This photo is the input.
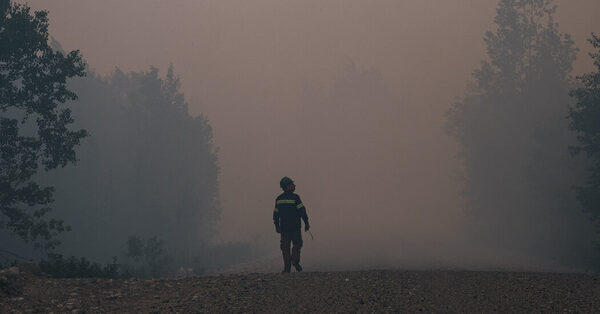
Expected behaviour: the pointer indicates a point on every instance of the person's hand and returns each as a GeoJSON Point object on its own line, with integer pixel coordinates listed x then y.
{"type": "Point", "coordinates": [277, 229]}
{"type": "Point", "coordinates": [306, 227]}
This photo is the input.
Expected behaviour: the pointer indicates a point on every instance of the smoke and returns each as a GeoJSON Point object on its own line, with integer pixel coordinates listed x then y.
{"type": "Point", "coordinates": [346, 97]}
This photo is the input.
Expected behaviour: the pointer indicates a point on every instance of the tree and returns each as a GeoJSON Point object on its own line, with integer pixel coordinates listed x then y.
{"type": "Point", "coordinates": [513, 136]}
{"type": "Point", "coordinates": [148, 168]}
{"type": "Point", "coordinates": [34, 127]}
{"type": "Point", "coordinates": [584, 119]}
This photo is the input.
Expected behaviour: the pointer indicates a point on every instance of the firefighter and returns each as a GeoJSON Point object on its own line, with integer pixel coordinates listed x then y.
{"type": "Point", "coordinates": [286, 216]}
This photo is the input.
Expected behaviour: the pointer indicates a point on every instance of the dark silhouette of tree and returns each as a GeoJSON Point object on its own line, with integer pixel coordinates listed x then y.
{"type": "Point", "coordinates": [585, 120]}
{"type": "Point", "coordinates": [35, 131]}
{"type": "Point", "coordinates": [148, 168]}
{"type": "Point", "coordinates": [513, 135]}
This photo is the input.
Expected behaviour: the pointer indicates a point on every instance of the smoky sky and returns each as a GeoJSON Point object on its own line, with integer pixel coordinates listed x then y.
{"type": "Point", "coordinates": [346, 97]}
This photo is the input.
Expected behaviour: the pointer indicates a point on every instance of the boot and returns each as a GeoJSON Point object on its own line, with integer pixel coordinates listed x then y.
{"type": "Point", "coordinates": [297, 266]}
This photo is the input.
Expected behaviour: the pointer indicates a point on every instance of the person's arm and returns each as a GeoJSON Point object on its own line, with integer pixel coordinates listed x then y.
{"type": "Point", "coordinates": [302, 213]}
{"type": "Point", "coordinates": [276, 218]}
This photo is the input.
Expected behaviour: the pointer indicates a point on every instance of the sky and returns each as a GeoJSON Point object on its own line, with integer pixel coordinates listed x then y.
{"type": "Point", "coordinates": [258, 70]}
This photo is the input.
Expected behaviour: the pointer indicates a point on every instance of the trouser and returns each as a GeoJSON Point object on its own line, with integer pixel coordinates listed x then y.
{"type": "Point", "coordinates": [295, 237]}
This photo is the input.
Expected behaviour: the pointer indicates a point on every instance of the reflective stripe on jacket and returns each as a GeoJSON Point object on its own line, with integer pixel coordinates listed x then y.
{"type": "Point", "coordinates": [288, 212]}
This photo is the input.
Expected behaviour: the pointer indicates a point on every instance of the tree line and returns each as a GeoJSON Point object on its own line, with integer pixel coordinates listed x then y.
{"type": "Point", "coordinates": [91, 162]}
{"type": "Point", "coordinates": [518, 129]}
{"type": "Point", "coordinates": [116, 165]}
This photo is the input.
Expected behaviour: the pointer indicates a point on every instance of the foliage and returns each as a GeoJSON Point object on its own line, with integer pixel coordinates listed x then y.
{"type": "Point", "coordinates": [149, 257]}
{"type": "Point", "coordinates": [33, 86]}
{"type": "Point", "coordinates": [8, 263]}
{"type": "Point", "coordinates": [513, 138]}
{"type": "Point", "coordinates": [73, 267]}
{"type": "Point", "coordinates": [584, 119]}
{"type": "Point", "coordinates": [148, 168]}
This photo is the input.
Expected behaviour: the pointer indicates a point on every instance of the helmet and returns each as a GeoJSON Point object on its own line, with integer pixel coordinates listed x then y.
{"type": "Point", "coordinates": [285, 181]}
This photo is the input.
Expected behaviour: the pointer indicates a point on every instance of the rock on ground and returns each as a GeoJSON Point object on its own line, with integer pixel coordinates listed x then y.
{"type": "Point", "coordinates": [359, 291]}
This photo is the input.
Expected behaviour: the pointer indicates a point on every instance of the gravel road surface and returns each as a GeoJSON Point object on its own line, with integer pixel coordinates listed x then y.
{"type": "Point", "coordinates": [359, 291]}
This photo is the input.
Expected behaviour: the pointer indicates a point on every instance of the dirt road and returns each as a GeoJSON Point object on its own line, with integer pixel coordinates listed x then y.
{"type": "Point", "coordinates": [360, 291]}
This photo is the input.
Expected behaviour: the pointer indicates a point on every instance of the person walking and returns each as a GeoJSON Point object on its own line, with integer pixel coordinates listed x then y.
{"type": "Point", "coordinates": [286, 216]}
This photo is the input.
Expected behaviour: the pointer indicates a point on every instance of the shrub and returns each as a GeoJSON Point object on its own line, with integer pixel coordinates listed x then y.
{"type": "Point", "coordinates": [78, 267]}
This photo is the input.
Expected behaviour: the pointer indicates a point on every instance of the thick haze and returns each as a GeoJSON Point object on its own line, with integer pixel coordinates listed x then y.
{"type": "Point", "coordinates": [346, 97]}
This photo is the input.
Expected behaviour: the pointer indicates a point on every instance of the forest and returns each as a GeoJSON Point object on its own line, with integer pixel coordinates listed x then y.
{"type": "Point", "coordinates": [112, 175]}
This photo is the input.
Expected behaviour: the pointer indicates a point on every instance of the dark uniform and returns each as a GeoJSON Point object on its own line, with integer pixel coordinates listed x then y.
{"type": "Point", "coordinates": [286, 216]}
